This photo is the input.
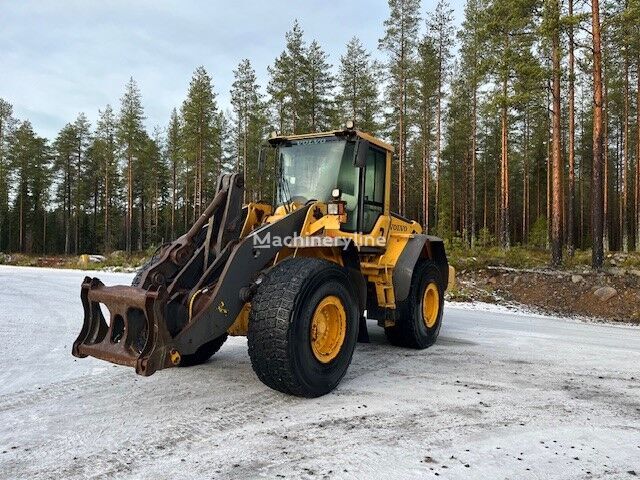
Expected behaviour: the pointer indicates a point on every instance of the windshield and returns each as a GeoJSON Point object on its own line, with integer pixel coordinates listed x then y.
{"type": "Point", "coordinates": [312, 168]}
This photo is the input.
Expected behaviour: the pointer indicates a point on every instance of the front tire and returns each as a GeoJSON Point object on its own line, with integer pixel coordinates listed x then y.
{"type": "Point", "coordinates": [419, 317]}
{"type": "Point", "coordinates": [303, 327]}
{"type": "Point", "coordinates": [203, 353]}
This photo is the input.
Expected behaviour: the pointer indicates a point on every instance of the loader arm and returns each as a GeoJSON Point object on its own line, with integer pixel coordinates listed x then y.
{"type": "Point", "coordinates": [189, 294]}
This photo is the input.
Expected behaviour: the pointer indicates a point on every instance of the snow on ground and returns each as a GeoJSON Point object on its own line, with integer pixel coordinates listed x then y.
{"type": "Point", "coordinates": [501, 395]}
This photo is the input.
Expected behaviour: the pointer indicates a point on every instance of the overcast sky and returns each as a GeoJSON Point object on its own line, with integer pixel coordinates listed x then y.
{"type": "Point", "coordinates": [59, 58]}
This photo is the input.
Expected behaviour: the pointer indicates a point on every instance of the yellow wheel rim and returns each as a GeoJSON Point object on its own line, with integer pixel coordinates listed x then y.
{"type": "Point", "coordinates": [328, 329]}
{"type": "Point", "coordinates": [430, 305]}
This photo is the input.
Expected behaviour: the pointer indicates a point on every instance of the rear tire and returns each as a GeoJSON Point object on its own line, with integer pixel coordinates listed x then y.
{"type": "Point", "coordinates": [303, 327]}
{"type": "Point", "coordinates": [419, 317]}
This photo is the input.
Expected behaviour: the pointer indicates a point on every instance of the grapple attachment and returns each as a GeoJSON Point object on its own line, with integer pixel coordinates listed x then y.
{"type": "Point", "coordinates": [136, 334]}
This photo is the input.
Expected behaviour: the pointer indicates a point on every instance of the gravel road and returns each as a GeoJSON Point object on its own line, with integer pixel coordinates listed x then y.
{"type": "Point", "coordinates": [501, 395]}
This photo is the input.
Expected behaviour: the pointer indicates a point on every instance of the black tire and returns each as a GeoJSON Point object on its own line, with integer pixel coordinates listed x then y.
{"type": "Point", "coordinates": [279, 336]}
{"type": "Point", "coordinates": [141, 271]}
{"type": "Point", "coordinates": [410, 329]}
{"type": "Point", "coordinates": [203, 354]}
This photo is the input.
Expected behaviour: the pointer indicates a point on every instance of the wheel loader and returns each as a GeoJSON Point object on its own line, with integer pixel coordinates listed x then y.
{"type": "Point", "coordinates": [299, 278]}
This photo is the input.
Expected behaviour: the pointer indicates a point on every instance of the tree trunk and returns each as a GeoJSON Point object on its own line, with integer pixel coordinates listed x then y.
{"type": "Point", "coordinates": [129, 216]}
{"type": "Point", "coordinates": [438, 137]}
{"type": "Point", "coordinates": [556, 219]}
{"type": "Point", "coordinates": [605, 154]}
{"type": "Point", "coordinates": [21, 220]}
{"type": "Point", "coordinates": [4, 185]}
{"type": "Point", "coordinates": [44, 230]}
{"type": "Point", "coordinates": [549, 155]}
{"type": "Point", "coordinates": [637, 192]}
{"type": "Point", "coordinates": [94, 233]}
{"type": "Point", "coordinates": [174, 194]}
{"type": "Point", "coordinates": [107, 233]}
{"type": "Point", "coordinates": [572, 142]}
{"type": "Point", "coordinates": [597, 201]}
{"type": "Point", "coordinates": [141, 218]}
{"type": "Point", "coordinates": [525, 179]}
{"type": "Point", "coordinates": [625, 157]}
{"type": "Point", "coordinates": [504, 172]}
{"type": "Point", "coordinates": [401, 139]}
{"type": "Point", "coordinates": [426, 171]}
{"type": "Point", "coordinates": [67, 209]}
{"type": "Point", "coordinates": [76, 224]}
{"type": "Point", "coordinates": [474, 153]}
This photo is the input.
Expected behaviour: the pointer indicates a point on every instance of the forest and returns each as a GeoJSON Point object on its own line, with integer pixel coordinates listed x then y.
{"type": "Point", "coordinates": [520, 127]}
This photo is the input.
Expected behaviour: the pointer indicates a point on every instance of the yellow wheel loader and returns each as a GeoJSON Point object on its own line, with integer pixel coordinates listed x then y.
{"type": "Point", "coordinates": [298, 278]}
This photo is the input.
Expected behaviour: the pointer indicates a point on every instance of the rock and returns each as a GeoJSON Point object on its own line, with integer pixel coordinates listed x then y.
{"type": "Point", "coordinates": [635, 272]}
{"type": "Point", "coordinates": [605, 293]}
{"type": "Point", "coordinates": [492, 280]}
{"type": "Point", "coordinates": [87, 259]}
{"type": "Point", "coordinates": [577, 278]}
{"type": "Point", "coordinates": [618, 272]}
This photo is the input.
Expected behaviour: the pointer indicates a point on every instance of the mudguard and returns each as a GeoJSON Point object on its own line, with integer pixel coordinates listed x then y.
{"type": "Point", "coordinates": [351, 261]}
{"type": "Point", "coordinates": [418, 246]}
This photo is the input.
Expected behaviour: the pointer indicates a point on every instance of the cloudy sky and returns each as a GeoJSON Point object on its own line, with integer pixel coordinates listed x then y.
{"type": "Point", "coordinates": [59, 58]}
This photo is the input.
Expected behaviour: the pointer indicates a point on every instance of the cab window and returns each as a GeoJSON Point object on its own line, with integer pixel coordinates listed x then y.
{"type": "Point", "coordinates": [373, 201]}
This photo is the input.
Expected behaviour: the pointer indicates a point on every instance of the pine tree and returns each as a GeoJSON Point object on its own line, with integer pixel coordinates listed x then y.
{"type": "Point", "coordinates": [152, 190]}
{"type": "Point", "coordinates": [572, 133]}
{"type": "Point", "coordinates": [104, 152]}
{"type": "Point", "coordinates": [422, 101]}
{"type": "Point", "coordinates": [597, 186]}
{"type": "Point", "coordinates": [131, 138]}
{"type": "Point", "coordinates": [286, 84]}
{"type": "Point", "coordinates": [633, 19]}
{"type": "Point", "coordinates": [249, 124]}
{"type": "Point", "coordinates": [399, 42]}
{"type": "Point", "coordinates": [65, 166]}
{"type": "Point", "coordinates": [317, 88]}
{"type": "Point", "coordinates": [509, 25]}
{"type": "Point", "coordinates": [474, 69]}
{"type": "Point", "coordinates": [7, 125]}
{"type": "Point", "coordinates": [552, 29]}
{"type": "Point", "coordinates": [82, 188]}
{"type": "Point", "coordinates": [29, 158]}
{"type": "Point", "coordinates": [358, 81]}
{"type": "Point", "coordinates": [440, 26]}
{"type": "Point", "coordinates": [199, 135]}
{"type": "Point", "coordinates": [176, 165]}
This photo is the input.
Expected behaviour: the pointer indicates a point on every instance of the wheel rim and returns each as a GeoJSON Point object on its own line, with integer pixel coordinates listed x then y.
{"type": "Point", "coordinates": [328, 329]}
{"type": "Point", "coordinates": [430, 305]}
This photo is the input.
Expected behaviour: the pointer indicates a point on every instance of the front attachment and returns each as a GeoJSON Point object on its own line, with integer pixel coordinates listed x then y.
{"type": "Point", "coordinates": [135, 333]}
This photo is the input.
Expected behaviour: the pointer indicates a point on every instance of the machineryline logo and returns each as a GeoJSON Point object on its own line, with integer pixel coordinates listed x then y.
{"type": "Point", "coordinates": [297, 241]}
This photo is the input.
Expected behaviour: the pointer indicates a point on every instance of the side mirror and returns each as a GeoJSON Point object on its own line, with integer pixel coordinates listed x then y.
{"type": "Point", "coordinates": [262, 158]}
{"type": "Point", "coordinates": [361, 150]}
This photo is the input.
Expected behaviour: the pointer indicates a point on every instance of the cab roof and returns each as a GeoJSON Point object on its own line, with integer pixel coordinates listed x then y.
{"type": "Point", "coordinates": [345, 132]}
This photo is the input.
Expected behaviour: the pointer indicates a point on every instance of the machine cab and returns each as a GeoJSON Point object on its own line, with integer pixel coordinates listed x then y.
{"type": "Point", "coordinates": [348, 163]}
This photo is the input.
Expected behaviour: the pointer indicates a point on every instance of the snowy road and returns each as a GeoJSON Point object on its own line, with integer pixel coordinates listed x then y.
{"type": "Point", "coordinates": [499, 396]}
